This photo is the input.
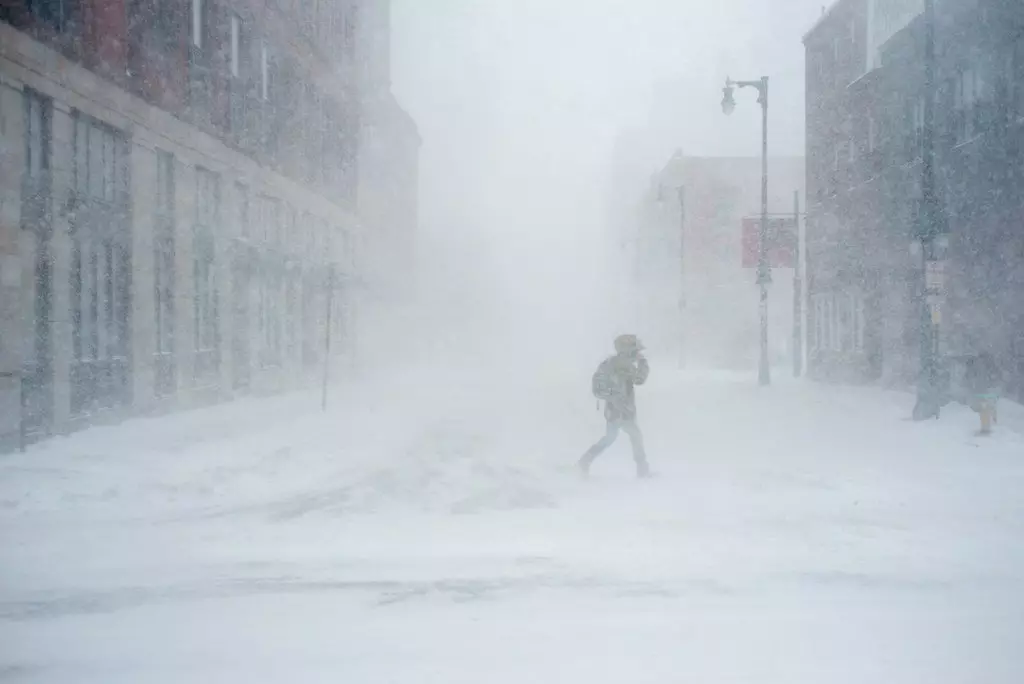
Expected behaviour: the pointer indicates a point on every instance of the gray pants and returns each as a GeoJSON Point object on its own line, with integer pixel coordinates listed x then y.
{"type": "Point", "coordinates": [636, 438]}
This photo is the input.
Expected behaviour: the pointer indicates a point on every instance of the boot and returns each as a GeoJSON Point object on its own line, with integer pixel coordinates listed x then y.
{"type": "Point", "coordinates": [986, 420]}
{"type": "Point", "coordinates": [643, 471]}
{"type": "Point", "coordinates": [583, 465]}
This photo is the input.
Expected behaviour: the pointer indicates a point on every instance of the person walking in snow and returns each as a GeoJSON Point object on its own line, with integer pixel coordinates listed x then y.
{"type": "Point", "coordinates": [613, 383]}
{"type": "Point", "coordinates": [983, 381]}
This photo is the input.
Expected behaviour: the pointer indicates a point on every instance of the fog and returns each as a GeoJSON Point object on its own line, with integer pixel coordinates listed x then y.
{"type": "Point", "coordinates": [252, 440]}
{"type": "Point", "coordinates": [519, 104]}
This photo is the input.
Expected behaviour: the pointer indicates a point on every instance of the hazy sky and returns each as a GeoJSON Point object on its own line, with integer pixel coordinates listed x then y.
{"type": "Point", "coordinates": [518, 102]}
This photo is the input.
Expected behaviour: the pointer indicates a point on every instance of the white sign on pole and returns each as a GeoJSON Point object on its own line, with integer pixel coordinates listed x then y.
{"type": "Point", "coordinates": [934, 276]}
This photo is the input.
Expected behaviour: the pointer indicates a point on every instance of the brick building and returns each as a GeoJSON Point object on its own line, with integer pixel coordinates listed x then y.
{"type": "Point", "coordinates": [179, 189]}
{"type": "Point", "coordinates": [865, 116]}
{"type": "Point", "coordinates": [719, 321]}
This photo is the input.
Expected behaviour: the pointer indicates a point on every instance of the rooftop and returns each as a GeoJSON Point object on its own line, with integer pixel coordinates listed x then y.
{"type": "Point", "coordinates": [825, 14]}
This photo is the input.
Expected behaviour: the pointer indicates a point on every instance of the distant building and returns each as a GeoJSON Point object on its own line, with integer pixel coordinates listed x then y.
{"type": "Point", "coordinates": [865, 89]}
{"type": "Point", "coordinates": [389, 195]}
{"type": "Point", "coordinates": [180, 185]}
{"type": "Point", "coordinates": [697, 293]}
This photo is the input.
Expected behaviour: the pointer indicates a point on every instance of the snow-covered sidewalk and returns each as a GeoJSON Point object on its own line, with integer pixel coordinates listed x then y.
{"type": "Point", "coordinates": [429, 528]}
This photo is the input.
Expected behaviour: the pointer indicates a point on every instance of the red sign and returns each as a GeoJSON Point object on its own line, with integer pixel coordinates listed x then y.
{"type": "Point", "coordinates": [782, 242]}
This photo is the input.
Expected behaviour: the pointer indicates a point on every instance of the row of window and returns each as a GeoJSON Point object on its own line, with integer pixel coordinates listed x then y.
{"type": "Point", "coordinates": [260, 98]}
{"type": "Point", "coordinates": [982, 90]}
{"type": "Point", "coordinates": [830, 57]}
{"type": "Point", "coordinates": [838, 322]}
{"type": "Point", "coordinates": [323, 22]}
{"type": "Point", "coordinates": [273, 108]}
{"type": "Point", "coordinates": [101, 283]}
{"type": "Point", "coordinates": [270, 224]}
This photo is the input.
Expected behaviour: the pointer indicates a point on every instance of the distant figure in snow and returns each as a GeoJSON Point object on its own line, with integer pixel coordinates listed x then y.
{"type": "Point", "coordinates": [983, 381]}
{"type": "Point", "coordinates": [613, 383]}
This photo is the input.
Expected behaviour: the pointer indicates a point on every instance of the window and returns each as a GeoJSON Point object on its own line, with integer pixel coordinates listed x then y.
{"type": "Point", "coordinates": [816, 333]}
{"type": "Point", "coordinates": [314, 136]}
{"type": "Point", "coordinates": [826, 323]}
{"type": "Point", "coordinates": [205, 312]}
{"type": "Point", "coordinates": [264, 71]}
{"type": "Point", "coordinates": [163, 273]}
{"type": "Point", "coordinates": [100, 167]}
{"type": "Point", "coordinates": [350, 31]}
{"type": "Point", "coordinates": [1016, 77]}
{"type": "Point", "coordinates": [197, 23]}
{"type": "Point", "coordinates": [859, 323]}
{"type": "Point", "coordinates": [100, 296]}
{"type": "Point", "coordinates": [57, 14]}
{"type": "Point", "coordinates": [164, 253]}
{"type": "Point", "coordinates": [236, 40]}
{"type": "Point", "coordinates": [37, 136]}
{"type": "Point", "coordinates": [270, 318]}
{"type": "Point", "coordinates": [328, 240]}
{"type": "Point", "coordinates": [269, 221]}
{"type": "Point", "coordinates": [275, 224]}
{"type": "Point", "coordinates": [293, 312]}
{"type": "Point", "coordinates": [967, 91]}
{"type": "Point", "coordinates": [915, 138]}
{"type": "Point", "coordinates": [269, 286]}
{"type": "Point", "coordinates": [345, 247]}
{"type": "Point", "coordinates": [242, 217]}
{"type": "Point", "coordinates": [287, 227]}
{"type": "Point", "coordinates": [872, 134]}
{"type": "Point", "coordinates": [305, 229]}
{"type": "Point", "coordinates": [844, 323]}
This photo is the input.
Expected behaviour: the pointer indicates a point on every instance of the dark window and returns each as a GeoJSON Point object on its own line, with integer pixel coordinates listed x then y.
{"type": "Point", "coordinates": [269, 290]}
{"type": "Point", "coordinates": [197, 24]}
{"type": "Point", "coordinates": [100, 267]}
{"type": "Point", "coordinates": [235, 47]}
{"type": "Point", "coordinates": [35, 220]}
{"type": "Point", "coordinates": [243, 210]}
{"type": "Point", "coordinates": [351, 31]}
{"type": "Point", "coordinates": [37, 137]}
{"type": "Point", "coordinates": [163, 271]}
{"type": "Point", "coordinates": [57, 14]}
{"type": "Point", "coordinates": [1016, 77]}
{"type": "Point", "coordinates": [154, 24]}
{"type": "Point", "coordinates": [205, 313]}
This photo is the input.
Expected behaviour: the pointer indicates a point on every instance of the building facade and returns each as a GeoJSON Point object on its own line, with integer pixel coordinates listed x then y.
{"type": "Point", "coordinates": [179, 200]}
{"type": "Point", "coordinates": [865, 133]}
{"type": "Point", "coordinates": [688, 276]}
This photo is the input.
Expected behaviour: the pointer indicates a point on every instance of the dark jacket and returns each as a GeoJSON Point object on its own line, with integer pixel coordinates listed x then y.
{"type": "Point", "coordinates": [626, 371]}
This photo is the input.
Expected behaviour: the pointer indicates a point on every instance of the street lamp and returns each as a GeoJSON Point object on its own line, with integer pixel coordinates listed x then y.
{"type": "Point", "coordinates": [931, 241]}
{"type": "Point", "coordinates": [764, 274]}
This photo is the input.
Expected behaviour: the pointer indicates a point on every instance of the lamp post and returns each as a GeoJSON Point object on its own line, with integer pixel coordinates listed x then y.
{"type": "Point", "coordinates": [764, 274]}
{"type": "Point", "coordinates": [931, 240]}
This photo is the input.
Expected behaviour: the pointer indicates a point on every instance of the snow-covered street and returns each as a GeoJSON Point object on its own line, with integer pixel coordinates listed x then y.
{"type": "Point", "coordinates": [430, 528]}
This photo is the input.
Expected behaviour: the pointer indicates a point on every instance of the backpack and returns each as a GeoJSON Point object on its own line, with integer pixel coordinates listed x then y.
{"type": "Point", "coordinates": [602, 384]}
